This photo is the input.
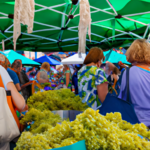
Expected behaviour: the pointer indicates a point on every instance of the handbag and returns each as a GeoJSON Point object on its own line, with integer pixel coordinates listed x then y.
{"type": "Point", "coordinates": [9, 123]}
{"type": "Point", "coordinates": [114, 104]}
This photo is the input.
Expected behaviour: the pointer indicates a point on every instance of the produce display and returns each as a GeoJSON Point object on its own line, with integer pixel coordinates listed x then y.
{"type": "Point", "coordinates": [140, 129]}
{"type": "Point", "coordinates": [40, 121]}
{"type": "Point", "coordinates": [62, 99]}
{"type": "Point", "coordinates": [108, 132]}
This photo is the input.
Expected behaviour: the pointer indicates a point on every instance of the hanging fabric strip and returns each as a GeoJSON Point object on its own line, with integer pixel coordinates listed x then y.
{"type": "Point", "coordinates": [3, 45]}
{"type": "Point", "coordinates": [23, 13]}
{"type": "Point", "coordinates": [84, 24]}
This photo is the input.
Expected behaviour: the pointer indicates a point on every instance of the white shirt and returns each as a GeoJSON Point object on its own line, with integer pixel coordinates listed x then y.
{"type": "Point", "coordinates": [5, 76]}
{"type": "Point", "coordinates": [71, 67]}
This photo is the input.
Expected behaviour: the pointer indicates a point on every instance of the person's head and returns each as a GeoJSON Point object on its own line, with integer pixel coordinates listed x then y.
{"type": "Point", "coordinates": [66, 67]}
{"type": "Point", "coordinates": [116, 71]}
{"type": "Point", "coordinates": [4, 61]}
{"type": "Point", "coordinates": [95, 56]}
{"type": "Point", "coordinates": [46, 66]}
{"type": "Point", "coordinates": [110, 66]}
{"type": "Point", "coordinates": [139, 52]}
{"type": "Point", "coordinates": [17, 65]}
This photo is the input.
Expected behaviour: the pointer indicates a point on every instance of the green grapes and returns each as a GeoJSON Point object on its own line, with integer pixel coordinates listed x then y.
{"type": "Point", "coordinates": [42, 120]}
{"type": "Point", "coordinates": [28, 141]}
{"type": "Point", "coordinates": [100, 133]}
{"type": "Point", "coordinates": [126, 126]}
{"type": "Point", "coordinates": [62, 99]}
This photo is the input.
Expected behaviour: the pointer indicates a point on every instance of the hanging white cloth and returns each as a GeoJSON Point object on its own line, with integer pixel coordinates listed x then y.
{"type": "Point", "coordinates": [85, 23]}
{"type": "Point", "coordinates": [23, 13]}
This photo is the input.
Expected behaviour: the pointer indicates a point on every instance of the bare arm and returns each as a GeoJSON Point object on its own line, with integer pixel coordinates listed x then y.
{"type": "Point", "coordinates": [67, 78]}
{"type": "Point", "coordinates": [102, 90]}
{"type": "Point", "coordinates": [18, 100]}
{"type": "Point", "coordinates": [18, 87]}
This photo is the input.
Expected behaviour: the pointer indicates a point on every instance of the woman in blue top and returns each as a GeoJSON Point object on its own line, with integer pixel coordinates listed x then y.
{"type": "Point", "coordinates": [15, 78]}
{"type": "Point", "coordinates": [138, 55]}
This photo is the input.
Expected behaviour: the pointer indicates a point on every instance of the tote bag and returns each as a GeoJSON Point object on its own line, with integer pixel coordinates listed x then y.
{"type": "Point", "coordinates": [114, 104]}
{"type": "Point", "coordinates": [9, 123]}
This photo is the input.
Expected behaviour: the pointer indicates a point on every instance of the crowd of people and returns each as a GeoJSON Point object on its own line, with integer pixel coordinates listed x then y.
{"type": "Point", "coordinates": [92, 80]}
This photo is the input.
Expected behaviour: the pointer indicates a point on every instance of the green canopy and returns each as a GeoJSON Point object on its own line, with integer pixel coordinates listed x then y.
{"type": "Point", "coordinates": [12, 56]}
{"type": "Point", "coordinates": [114, 23]}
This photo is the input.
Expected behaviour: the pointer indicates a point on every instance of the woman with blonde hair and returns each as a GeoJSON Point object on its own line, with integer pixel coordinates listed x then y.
{"type": "Point", "coordinates": [92, 82]}
{"type": "Point", "coordinates": [42, 76]}
{"type": "Point", "coordinates": [139, 79]}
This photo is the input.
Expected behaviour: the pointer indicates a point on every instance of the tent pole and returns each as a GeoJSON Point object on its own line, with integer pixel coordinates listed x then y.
{"type": "Point", "coordinates": [63, 23]}
{"type": "Point", "coordinates": [47, 25]}
{"type": "Point", "coordinates": [72, 14]}
{"type": "Point", "coordinates": [50, 8]}
{"type": "Point", "coordinates": [4, 14]}
{"type": "Point", "coordinates": [91, 33]}
{"type": "Point", "coordinates": [44, 7]}
{"type": "Point", "coordinates": [134, 20]}
{"type": "Point", "coordinates": [136, 35]}
{"type": "Point", "coordinates": [6, 37]}
{"type": "Point", "coordinates": [103, 11]}
{"type": "Point", "coordinates": [113, 31]}
{"type": "Point", "coordinates": [9, 28]}
{"type": "Point", "coordinates": [112, 7]}
{"type": "Point", "coordinates": [146, 31]}
{"type": "Point", "coordinates": [143, 13]}
{"type": "Point", "coordinates": [3, 17]}
{"type": "Point", "coordinates": [102, 20]}
{"type": "Point", "coordinates": [35, 55]}
{"type": "Point", "coordinates": [29, 55]}
{"type": "Point", "coordinates": [45, 30]}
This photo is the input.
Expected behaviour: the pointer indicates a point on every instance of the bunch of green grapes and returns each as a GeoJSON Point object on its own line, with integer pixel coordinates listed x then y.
{"type": "Point", "coordinates": [42, 120]}
{"type": "Point", "coordinates": [55, 137]}
{"type": "Point", "coordinates": [62, 99]}
{"type": "Point", "coordinates": [99, 133]}
{"type": "Point", "coordinates": [29, 141]}
{"type": "Point", "coordinates": [140, 129]}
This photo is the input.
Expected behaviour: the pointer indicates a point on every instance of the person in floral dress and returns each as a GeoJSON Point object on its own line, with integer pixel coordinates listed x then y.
{"type": "Point", "coordinates": [92, 82]}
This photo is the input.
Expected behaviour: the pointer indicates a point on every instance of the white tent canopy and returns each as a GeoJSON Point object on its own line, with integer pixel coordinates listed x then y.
{"type": "Point", "coordinates": [75, 59]}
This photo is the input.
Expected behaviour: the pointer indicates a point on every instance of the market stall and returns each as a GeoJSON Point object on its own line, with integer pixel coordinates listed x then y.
{"type": "Point", "coordinates": [12, 56]}
{"type": "Point", "coordinates": [56, 118]}
{"type": "Point", "coordinates": [75, 59]}
{"type": "Point", "coordinates": [47, 59]}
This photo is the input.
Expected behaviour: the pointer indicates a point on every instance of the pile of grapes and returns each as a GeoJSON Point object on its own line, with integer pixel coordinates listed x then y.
{"type": "Point", "coordinates": [62, 99]}
{"type": "Point", "coordinates": [108, 132]}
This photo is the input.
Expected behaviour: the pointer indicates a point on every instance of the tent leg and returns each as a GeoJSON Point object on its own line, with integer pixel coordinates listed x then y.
{"type": "Point", "coordinates": [35, 55]}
